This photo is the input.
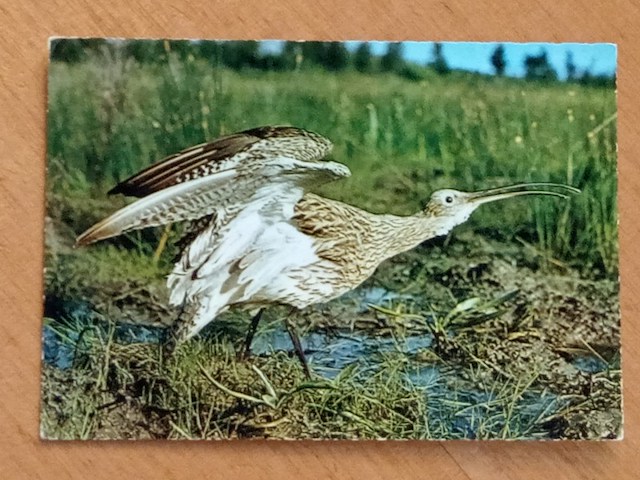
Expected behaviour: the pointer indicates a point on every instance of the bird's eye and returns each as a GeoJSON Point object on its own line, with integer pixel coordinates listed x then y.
{"type": "Point", "coordinates": [448, 199]}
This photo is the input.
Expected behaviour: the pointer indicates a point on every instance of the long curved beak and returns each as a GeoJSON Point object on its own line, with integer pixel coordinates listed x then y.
{"type": "Point", "coordinates": [500, 193]}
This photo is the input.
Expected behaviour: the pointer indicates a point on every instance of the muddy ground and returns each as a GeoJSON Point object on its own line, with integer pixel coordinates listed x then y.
{"type": "Point", "coordinates": [464, 337]}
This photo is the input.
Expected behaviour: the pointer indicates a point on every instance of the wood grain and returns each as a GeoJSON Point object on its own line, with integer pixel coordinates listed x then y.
{"type": "Point", "coordinates": [27, 24]}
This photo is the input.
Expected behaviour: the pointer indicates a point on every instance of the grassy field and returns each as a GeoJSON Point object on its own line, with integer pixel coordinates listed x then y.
{"type": "Point", "coordinates": [401, 139]}
{"type": "Point", "coordinates": [110, 117]}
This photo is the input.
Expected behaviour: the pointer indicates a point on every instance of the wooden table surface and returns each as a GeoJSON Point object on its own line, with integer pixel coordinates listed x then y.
{"type": "Point", "coordinates": [25, 27]}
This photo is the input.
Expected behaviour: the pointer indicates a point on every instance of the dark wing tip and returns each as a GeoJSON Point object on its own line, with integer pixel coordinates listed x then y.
{"type": "Point", "coordinates": [128, 189]}
{"type": "Point", "coordinates": [119, 188]}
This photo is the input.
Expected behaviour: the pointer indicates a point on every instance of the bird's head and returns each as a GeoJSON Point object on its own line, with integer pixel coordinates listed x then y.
{"type": "Point", "coordinates": [453, 207]}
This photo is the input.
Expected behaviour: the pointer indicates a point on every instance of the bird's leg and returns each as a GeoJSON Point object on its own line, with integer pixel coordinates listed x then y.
{"type": "Point", "coordinates": [168, 344]}
{"type": "Point", "coordinates": [246, 350]}
{"type": "Point", "coordinates": [174, 333]}
{"type": "Point", "coordinates": [295, 339]}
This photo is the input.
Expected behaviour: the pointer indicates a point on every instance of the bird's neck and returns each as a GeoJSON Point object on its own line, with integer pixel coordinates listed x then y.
{"type": "Point", "coordinates": [405, 233]}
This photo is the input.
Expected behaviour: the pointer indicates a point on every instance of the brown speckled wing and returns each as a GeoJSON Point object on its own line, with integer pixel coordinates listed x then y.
{"type": "Point", "coordinates": [208, 158]}
{"type": "Point", "coordinates": [222, 178]}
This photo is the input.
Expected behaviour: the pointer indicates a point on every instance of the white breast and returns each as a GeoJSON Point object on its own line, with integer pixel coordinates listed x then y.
{"type": "Point", "coordinates": [285, 269]}
{"type": "Point", "coordinates": [252, 260]}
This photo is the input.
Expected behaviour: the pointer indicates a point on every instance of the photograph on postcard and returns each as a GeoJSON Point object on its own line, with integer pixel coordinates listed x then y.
{"type": "Point", "coordinates": [331, 240]}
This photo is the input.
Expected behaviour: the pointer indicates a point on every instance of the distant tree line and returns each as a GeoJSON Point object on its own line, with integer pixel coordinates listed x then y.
{"type": "Point", "coordinates": [538, 68]}
{"type": "Point", "coordinates": [332, 56]}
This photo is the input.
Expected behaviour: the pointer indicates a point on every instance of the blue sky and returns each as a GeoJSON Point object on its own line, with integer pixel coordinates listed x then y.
{"type": "Point", "coordinates": [598, 58]}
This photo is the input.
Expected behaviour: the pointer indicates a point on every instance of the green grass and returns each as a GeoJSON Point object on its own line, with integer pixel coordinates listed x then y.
{"type": "Point", "coordinates": [402, 139]}
{"type": "Point", "coordinates": [488, 371]}
{"type": "Point", "coordinates": [120, 390]}
{"type": "Point", "coordinates": [111, 117]}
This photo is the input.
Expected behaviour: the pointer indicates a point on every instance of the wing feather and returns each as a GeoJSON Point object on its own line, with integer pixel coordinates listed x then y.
{"type": "Point", "coordinates": [222, 154]}
{"type": "Point", "coordinates": [286, 157]}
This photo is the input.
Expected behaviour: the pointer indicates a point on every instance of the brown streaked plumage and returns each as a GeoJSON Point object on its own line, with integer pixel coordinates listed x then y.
{"type": "Point", "coordinates": [208, 158]}
{"type": "Point", "coordinates": [257, 239]}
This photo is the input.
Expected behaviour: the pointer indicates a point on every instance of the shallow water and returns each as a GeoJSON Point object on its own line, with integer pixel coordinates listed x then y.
{"type": "Point", "coordinates": [55, 351]}
{"type": "Point", "coordinates": [374, 296]}
{"type": "Point", "coordinates": [330, 351]}
{"type": "Point", "coordinates": [590, 364]}
{"type": "Point", "coordinates": [58, 351]}
{"type": "Point", "coordinates": [327, 352]}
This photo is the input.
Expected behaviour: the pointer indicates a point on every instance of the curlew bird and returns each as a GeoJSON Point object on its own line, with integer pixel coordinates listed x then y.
{"type": "Point", "coordinates": [255, 238]}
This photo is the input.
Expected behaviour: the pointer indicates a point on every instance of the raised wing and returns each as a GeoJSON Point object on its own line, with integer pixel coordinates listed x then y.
{"type": "Point", "coordinates": [223, 154]}
{"type": "Point", "coordinates": [221, 178]}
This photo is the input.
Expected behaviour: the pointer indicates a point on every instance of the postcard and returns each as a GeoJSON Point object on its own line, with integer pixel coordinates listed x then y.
{"type": "Point", "coordinates": [331, 240]}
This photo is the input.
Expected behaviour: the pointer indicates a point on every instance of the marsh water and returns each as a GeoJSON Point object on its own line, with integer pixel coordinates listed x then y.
{"type": "Point", "coordinates": [331, 350]}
